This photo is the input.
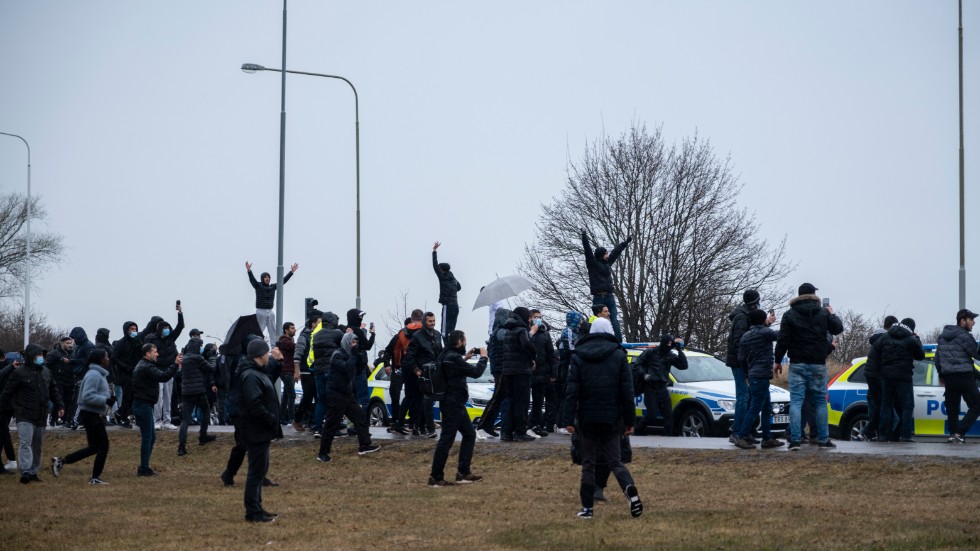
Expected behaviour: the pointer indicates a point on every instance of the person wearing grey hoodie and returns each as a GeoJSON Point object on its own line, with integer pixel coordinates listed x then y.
{"type": "Point", "coordinates": [340, 400]}
{"type": "Point", "coordinates": [93, 399]}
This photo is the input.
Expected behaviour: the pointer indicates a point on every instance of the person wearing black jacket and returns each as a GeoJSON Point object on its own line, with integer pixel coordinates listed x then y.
{"type": "Point", "coordinates": [803, 334]}
{"type": "Point", "coordinates": [340, 400]}
{"type": "Point", "coordinates": [365, 343]}
{"type": "Point", "coordinates": [739, 319]}
{"type": "Point", "coordinates": [655, 366]}
{"type": "Point", "coordinates": [6, 443]}
{"type": "Point", "coordinates": [517, 360]}
{"type": "Point", "coordinates": [425, 347]}
{"type": "Point", "coordinates": [756, 359]}
{"type": "Point", "coordinates": [164, 337]}
{"type": "Point", "coordinates": [258, 425]}
{"type": "Point", "coordinates": [323, 343]}
{"type": "Point", "coordinates": [306, 377]}
{"type": "Point", "coordinates": [598, 397]}
{"type": "Point", "coordinates": [599, 264]}
{"type": "Point", "coordinates": [197, 376]}
{"type": "Point", "coordinates": [265, 299]}
{"type": "Point", "coordinates": [542, 417]}
{"type": "Point", "coordinates": [492, 410]}
{"type": "Point", "coordinates": [956, 352]}
{"type": "Point", "coordinates": [870, 431]}
{"type": "Point", "coordinates": [58, 361]}
{"type": "Point", "coordinates": [146, 393]}
{"type": "Point", "coordinates": [455, 419]}
{"type": "Point", "coordinates": [895, 354]}
{"type": "Point", "coordinates": [27, 392]}
{"type": "Point", "coordinates": [126, 354]}
{"type": "Point", "coordinates": [448, 289]}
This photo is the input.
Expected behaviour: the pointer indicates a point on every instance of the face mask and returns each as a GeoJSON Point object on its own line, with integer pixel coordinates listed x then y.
{"type": "Point", "coordinates": [537, 321]}
{"type": "Point", "coordinates": [132, 334]}
{"type": "Point", "coordinates": [39, 360]}
{"type": "Point", "coordinates": [166, 332]}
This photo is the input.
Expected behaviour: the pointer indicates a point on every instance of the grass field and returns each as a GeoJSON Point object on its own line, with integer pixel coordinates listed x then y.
{"type": "Point", "coordinates": [693, 500]}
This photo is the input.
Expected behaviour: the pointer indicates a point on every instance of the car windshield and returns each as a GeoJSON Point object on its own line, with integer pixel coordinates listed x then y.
{"type": "Point", "coordinates": [485, 378]}
{"type": "Point", "coordinates": [703, 368]}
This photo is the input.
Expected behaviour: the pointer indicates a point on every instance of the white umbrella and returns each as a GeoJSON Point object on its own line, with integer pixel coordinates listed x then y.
{"type": "Point", "coordinates": [500, 289]}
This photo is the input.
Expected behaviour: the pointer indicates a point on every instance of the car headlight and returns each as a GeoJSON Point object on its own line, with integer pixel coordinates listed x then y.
{"type": "Point", "coordinates": [479, 403]}
{"type": "Point", "coordinates": [780, 407]}
{"type": "Point", "coordinates": [728, 405]}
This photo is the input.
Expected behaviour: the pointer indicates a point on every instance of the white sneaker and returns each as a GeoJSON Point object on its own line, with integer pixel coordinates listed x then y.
{"type": "Point", "coordinates": [10, 465]}
{"type": "Point", "coordinates": [562, 430]}
{"type": "Point", "coordinates": [531, 434]}
{"type": "Point", "coordinates": [482, 434]}
{"type": "Point", "coordinates": [171, 426]}
{"type": "Point", "coordinates": [158, 426]}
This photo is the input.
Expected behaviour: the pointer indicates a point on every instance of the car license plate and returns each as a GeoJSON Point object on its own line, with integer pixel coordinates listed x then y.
{"type": "Point", "coordinates": [780, 419]}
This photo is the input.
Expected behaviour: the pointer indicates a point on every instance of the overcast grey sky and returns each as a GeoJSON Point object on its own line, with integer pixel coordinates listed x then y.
{"type": "Point", "coordinates": [157, 158]}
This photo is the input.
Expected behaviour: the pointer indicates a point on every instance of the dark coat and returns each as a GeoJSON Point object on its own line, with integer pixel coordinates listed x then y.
{"type": "Point", "coordinates": [325, 342]}
{"type": "Point", "coordinates": [343, 369]}
{"type": "Point", "coordinates": [288, 349]}
{"type": "Point", "coordinates": [755, 352]}
{"type": "Point", "coordinates": [515, 351]}
{"type": "Point", "coordinates": [655, 364]}
{"type": "Point", "coordinates": [600, 271]}
{"type": "Point", "coordinates": [955, 351]}
{"type": "Point", "coordinates": [258, 416]}
{"type": "Point", "coordinates": [896, 352]}
{"type": "Point", "coordinates": [196, 372]}
{"type": "Point", "coordinates": [365, 339]}
{"type": "Point", "coordinates": [166, 346]}
{"type": "Point", "coordinates": [5, 372]}
{"type": "Point", "coordinates": [301, 351]}
{"type": "Point", "coordinates": [740, 324]}
{"type": "Point", "coordinates": [61, 371]}
{"type": "Point", "coordinates": [448, 286]}
{"type": "Point", "coordinates": [126, 353]}
{"type": "Point", "coordinates": [28, 390]}
{"type": "Point", "coordinates": [600, 383]}
{"type": "Point", "coordinates": [79, 355]}
{"type": "Point", "coordinates": [545, 360]}
{"type": "Point", "coordinates": [803, 331]}
{"type": "Point", "coordinates": [147, 378]}
{"type": "Point", "coordinates": [265, 295]}
{"type": "Point", "coordinates": [870, 366]}
{"type": "Point", "coordinates": [424, 347]}
{"type": "Point", "coordinates": [456, 370]}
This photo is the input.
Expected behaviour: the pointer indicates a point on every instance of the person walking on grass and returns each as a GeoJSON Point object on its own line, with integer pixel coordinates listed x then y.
{"type": "Point", "coordinates": [955, 354]}
{"type": "Point", "coordinates": [599, 264]}
{"type": "Point", "coordinates": [147, 379]}
{"type": "Point", "coordinates": [28, 390]}
{"type": "Point", "coordinates": [598, 400]}
{"type": "Point", "coordinates": [449, 289]}
{"type": "Point", "coordinates": [265, 299]}
{"type": "Point", "coordinates": [93, 399]}
{"type": "Point", "coordinates": [197, 376]}
{"type": "Point", "coordinates": [755, 357]}
{"type": "Point", "coordinates": [455, 419]}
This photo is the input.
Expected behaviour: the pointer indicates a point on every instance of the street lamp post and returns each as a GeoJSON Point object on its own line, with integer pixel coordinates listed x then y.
{"type": "Point", "coordinates": [27, 257]}
{"type": "Point", "coordinates": [962, 208]}
{"type": "Point", "coordinates": [252, 68]}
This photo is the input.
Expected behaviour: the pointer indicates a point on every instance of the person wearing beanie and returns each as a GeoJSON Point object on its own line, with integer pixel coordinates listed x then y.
{"type": "Point", "coordinates": [258, 424]}
{"type": "Point", "coordinates": [197, 376]}
{"type": "Point", "coordinates": [599, 265]}
{"type": "Point", "coordinates": [449, 288]}
{"type": "Point", "coordinates": [956, 350]}
{"type": "Point", "coordinates": [895, 354]}
{"type": "Point", "coordinates": [755, 356]}
{"type": "Point", "coordinates": [341, 401]}
{"type": "Point", "coordinates": [28, 390]}
{"type": "Point", "coordinates": [739, 319]}
{"type": "Point", "coordinates": [870, 430]}
{"type": "Point", "coordinates": [265, 299]}
{"type": "Point", "coordinates": [803, 333]}
{"type": "Point", "coordinates": [517, 359]}
{"type": "Point", "coordinates": [654, 365]}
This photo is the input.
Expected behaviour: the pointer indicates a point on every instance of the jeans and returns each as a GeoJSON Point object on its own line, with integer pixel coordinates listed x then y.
{"type": "Point", "coordinates": [339, 405]}
{"type": "Point", "coordinates": [896, 392]}
{"type": "Point", "coordinates": [808, 380]}
{"type": "Point", "coordinates": [518, 398]}
{"type": "Point", "coordinates": [961, 386]}
{"type": "Point", "coordinates": [143, 411]}
{"type": "Point", "coordinates": [201, 401]}
{"type": "Point", "coordinates": [609, 300]}
{"type": "Point", "coordinates": [258, 466]}
{"type": "Point", "coordinates": [267, 323]}
{"type": "Point", "coordinates": [98, 443]}
{"type": "Point", "coordinates": [161, 410]}
{"type": "Point", "coordinates": [656, 398]}
{"type": "Point", "coordinates": [600, 444]}
{"type": "Point", "coordinates": [454, 419]}
{"type": "Point", "coordinates": [287, 405]}
{"type": "Point", "coordinates": [321, 400]}
{"type": "Point", "coordinates": [742, 399]}
{"type": "Point", "coordinates": [761, 404]}
{"type": "Point", "coordinates": [874, 408]}
{"type": "Point", "coordinates": [31, 438]}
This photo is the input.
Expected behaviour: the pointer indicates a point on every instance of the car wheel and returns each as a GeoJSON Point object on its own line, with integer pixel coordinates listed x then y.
{"type": "Point", "coordinates": [693, 424]}
{"type": "Point", "coordinates": [854, 426]}
{"type": "Point", "coordinates": [377, 414]}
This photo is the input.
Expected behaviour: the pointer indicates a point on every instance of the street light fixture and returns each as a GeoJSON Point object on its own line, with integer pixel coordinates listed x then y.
{"type": "Point", "coordinates": [27, 258]}
{"type": "Point", "coordinates": [254, 68]}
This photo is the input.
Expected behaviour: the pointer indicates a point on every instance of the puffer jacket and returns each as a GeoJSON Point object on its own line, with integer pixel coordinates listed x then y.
{"type": "Point", "coordinates": [755, 352]}
{"type": "Point", "coordinates": [803, 331]}
{"type": "Point", "coordinates": [448, 286]}
{"type": "Point", "coordinates": [494, 347]}
{"type": "Point", "coordinates": [265, 295]}
{"type": "Point", "coordinates": [516, 352]}
{"type": "Point", "coordinates": [600, 383]}
{"type": "Point", "coordinates": [324, 341]}
{"type": "Point", "coordinates": [28, 390]}
{"type": "Point", "coordinates": [870, 366]}
{"type": "Point", "coordinates": [956, 350]}
{"type": "Point", "coordinates": [365, 339]}
{"type": "Point", "coordinates": [94, 391]}
{"type": "Point", "coordinates": [257, 421]}
{"type": "Point", "coordinates": [546, 363]}
{"type": "Point", "coordinates": [196, 372]}
{"type": "Point", "coordinates": [79, 355]}
{"type": "Point", "coordinates": [740, 324]}
{"type": "Point", "coordinates": [147, 378]}
{"type": "Point", "coordinates": [896, 352]}
{"type": "Point", "coordinates": [344, 364]}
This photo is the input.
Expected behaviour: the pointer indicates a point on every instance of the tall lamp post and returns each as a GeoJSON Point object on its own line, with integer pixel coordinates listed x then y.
{"type": "Point", "coordinates": [27, 258]}
{"type": "Point", "coordinates": [962, 211]}
{"type": "Point", "coordinates": [252, 68]}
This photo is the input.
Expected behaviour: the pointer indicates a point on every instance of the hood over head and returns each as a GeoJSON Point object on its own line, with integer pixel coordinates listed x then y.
{"type": "Point", "coordinates": [32, 351]}
{"type": "Point", "coordinates": [600, 252]}
{"type": "Point", "coordinates": [900, 331]}
{"type": "Point", "coordinates": [193, 346]}
{"type": "Point", "coordinates": [500, 317]}
{"type": "Point", "coordinates": [330, 320]}
{"type": "Point", "coordinates": [570, 333]}
{"type": "Point", "coordinates": [78, 335]}
{"type": "Point", "coordinates": [265, 275]}
{"type": "Point", "coordinates": [102, 336]}
{"type": "Point", "coordinates": [126, 326]}
{"type": "Point", "coordinates": [347, 342]}
{"type": "Point", "coordinates": [595, 347]}
{"type": "Point", "coordinates": [161, 325]}
{"type": "Point", "coordinates": [354, 317]}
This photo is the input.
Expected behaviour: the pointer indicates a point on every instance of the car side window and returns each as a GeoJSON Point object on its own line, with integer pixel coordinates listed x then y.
{"type": "Point", "coordinates": [381, 375]}
{"type": "Point", "coordinates": [924, 373]}
{"type": "Point", "coordinates": [858, 375]}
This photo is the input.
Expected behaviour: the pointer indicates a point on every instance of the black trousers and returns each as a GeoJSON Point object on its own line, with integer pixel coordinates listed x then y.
{"type": "Point", "coordinates": [961, 386]}
{"type": "Point", "coordinates": [258, 467]}
{"type": "Point", "coordinates": [305, 408]}
{"type": "Point", "coordinates": [98, 442]}
{"type": "Point", "coordinates": [413, 398]}
{"type": "Point", "coordinates": [187, 406]}
{"type": "Point", "coordinates": [450, 313]}
{"type": "Point", "coordinates": [339, 405]}
{"type": "Point", "coordinates": [395, 390]}
{"type": "Point", "coordinates": [492, 410]}
{"type": "Point", "coordinates": [454, 419]}
{"type": "Point", "coordinates": [68, 396]}
{"type": "Point", "coordinates": [237, 455]}
{"type": "Point", "coordinates": [656, 397]}
{"type": "Point", "coordinates": [518, 399]}
{"type": "Point", "coordinates": [874, 408]}
{"type": "Point", "coordinates": [542, 404]}
{"type": "Point", "coordinates": [6, 443]}
{"type": "Point", "coordinates": [126, 406]}
{"type": "Point", "coordinates": [600, 444]}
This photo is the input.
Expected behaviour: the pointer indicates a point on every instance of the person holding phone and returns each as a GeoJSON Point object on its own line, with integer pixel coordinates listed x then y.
{"type": "Point", "coordinates": [365, 339]}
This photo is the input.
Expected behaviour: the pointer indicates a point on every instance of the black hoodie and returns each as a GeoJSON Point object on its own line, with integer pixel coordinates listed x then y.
{"type": "Point", "coordinates": [126, 353]}
{"type": "Point", "coordinates": [600, 383]}
{"type": "Point", "coordinates": [895, 353]}
{"type": "Point", "coordinates": [166, 346]}
{"type": "Point", "coordinates": [265, 295]}
{"type": "Point", "coordinates": [600, 270]}
{"type": "Point", "coordinates": [79, 356]}
{"type": "Point", "coordinates": [365, 340]}
{"type": "Point", "coordinates": [324, 342]}
{"type": "Point", "coordinates": [448, 286]}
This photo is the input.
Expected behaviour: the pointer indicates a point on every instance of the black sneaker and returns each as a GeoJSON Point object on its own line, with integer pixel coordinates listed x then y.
{"type": "Point", "coordinates": [267, 483]}
{"type": "Point", "coordinates": [956, 439]}
{"type": "Point", "coordinates": [97, 482]}
{"type": "Point", "coordinates": [35, 478]}
{"type": "Point", "coordinates": [910, 440]}
{"type": "Point", "coordinates": [260, 517]}
{"type": "Point", "coordinates": [585, 513]}
{"type": "Point", "coordinates": [146, 472]}
{"type": "Point", "coordinates": [633, 496]}
{"type": "Point", "coordinates": [181, 450]}
{"type": "Point", "coordinates": [492, 433]}
{"type": "Point", "coordinates": [468, 478]}
{"type": "Point", "coordinates": [443, 483]}
{"type": "Point", "coordinates": [523, 438]}
{"type": "Point", "coordinates": [267, 513]}
{"type": "Point", "coordinates": [794, 446]}
{"type": "Point", "coordinates": [25, 478]}
{"type": "Point", "coordinates": [599, 494]}
{"type": "Point", "coordinates": [506, 437]}
{"type": "Point", "coordinates": [323, 458]}
{"type": "Point", "coordinates": [772, 443]}
{"type": "Point", "coordinates": [401, 430]}
{"type": "Point", "coordinates": [539, 431]}
{"type": "Point", "coordinates": [370, 448]}
{"type": "Point", "coordinates": [316, 434]}
{"type": "Point", "coordinates": [207, 438]}
{"type": "Point", "coordinates": [826, 444]}
{"type": "Point", "coordinates": [745, 444]}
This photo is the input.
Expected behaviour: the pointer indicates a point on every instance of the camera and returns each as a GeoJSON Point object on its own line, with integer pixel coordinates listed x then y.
{"type": "Point", "coordinates": [475, 351]}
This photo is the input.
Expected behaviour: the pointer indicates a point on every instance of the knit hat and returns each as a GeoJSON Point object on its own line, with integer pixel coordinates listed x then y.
{"type": "Point", "coordinates": [757, 317]}
{"type": "Point", "coordinates": [257, 348]}
{"type": "Point", "coordinates": [750, 297]}
{"type": "Point", "coordinates": [602, 325]}
{"type": "Point", "coordinates": [600, 252]}
{"type": "Point", "coordinates": [909, 322]}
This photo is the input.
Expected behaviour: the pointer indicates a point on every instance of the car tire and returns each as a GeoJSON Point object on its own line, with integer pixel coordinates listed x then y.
{"type": "Point", "coordinates": [693, 424]}
{"type": "Point", "coordinates": [377, 414]}
{"type": "Point", "coordinates": [854, 425]}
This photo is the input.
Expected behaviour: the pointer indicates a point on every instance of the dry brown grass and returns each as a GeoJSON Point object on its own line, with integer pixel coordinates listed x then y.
{"type": "Point", "coordinates": [694, 499]}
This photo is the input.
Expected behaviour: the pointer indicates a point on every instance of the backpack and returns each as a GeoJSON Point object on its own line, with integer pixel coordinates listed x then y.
{"type": "Point", "coordinates": [433, 379]}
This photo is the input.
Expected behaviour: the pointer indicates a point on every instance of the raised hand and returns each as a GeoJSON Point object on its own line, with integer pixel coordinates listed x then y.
{"type": "Point", "coordinates": [248, 266]}
{"type": "Point", "coordinates": [294, 267]}
{"type": "Point", "coordinates": [436, 245]}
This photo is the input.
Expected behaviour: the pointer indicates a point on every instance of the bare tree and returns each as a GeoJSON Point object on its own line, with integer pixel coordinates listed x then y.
{"type": "Point", "coordinates": [694, 251]}
{"type": "Point", "coordinates": [45, 246]}
{"type": "Point", "coordinates": [12, 333]}
{"type": "Point", "coordinates": [853, 342]}
{"type": "Point", "coordinates": [394, 319]}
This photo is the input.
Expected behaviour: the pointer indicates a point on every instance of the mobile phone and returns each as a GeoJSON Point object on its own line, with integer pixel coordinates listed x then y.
{"type": "Point", "coordinates": [371, 325]}
{"type": "Point", "coordinates": [826, 302]}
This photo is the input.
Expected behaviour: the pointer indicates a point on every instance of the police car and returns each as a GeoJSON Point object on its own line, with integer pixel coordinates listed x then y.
{"type": "Point", "coordinates": [703, 396]}
{"type": "Point", "coordinates": [379, 407]}
{"type": "Point", "coordinates": [847, 400]}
